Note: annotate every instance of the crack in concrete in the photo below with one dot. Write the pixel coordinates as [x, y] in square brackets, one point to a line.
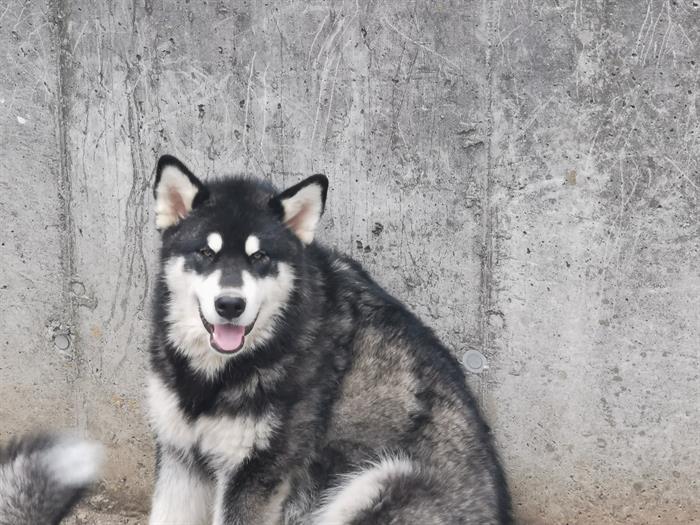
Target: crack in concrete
[67, 231]
[488, 216]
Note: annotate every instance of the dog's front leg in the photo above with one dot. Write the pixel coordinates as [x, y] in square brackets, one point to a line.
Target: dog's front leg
[250, 494]
[183, 495]
[222, 514]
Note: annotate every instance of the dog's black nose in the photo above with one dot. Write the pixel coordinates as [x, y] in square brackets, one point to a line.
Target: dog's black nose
[229, 306]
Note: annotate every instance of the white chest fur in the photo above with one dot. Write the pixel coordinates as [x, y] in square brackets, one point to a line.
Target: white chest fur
[225, 440]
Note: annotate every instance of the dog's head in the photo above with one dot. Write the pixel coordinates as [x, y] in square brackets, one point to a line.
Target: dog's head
[230, 251]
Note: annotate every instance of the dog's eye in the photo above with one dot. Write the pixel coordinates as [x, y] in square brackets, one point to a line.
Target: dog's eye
[206, 252]
[259, 257]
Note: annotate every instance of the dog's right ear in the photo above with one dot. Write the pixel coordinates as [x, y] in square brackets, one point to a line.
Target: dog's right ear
[301, 206]
[176, 190]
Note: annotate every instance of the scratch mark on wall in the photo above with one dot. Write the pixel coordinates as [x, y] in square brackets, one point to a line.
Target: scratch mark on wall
[247, 109]
[449, 62]
[683, 173]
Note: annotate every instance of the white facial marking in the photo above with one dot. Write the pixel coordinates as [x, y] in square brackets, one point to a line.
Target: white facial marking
[360, 491]
[265, 298]
[215, 242]
[185, 330]
[207, 290]
[275, 292]
[252, 245]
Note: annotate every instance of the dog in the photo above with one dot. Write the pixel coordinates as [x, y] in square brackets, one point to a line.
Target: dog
[286, 386]
[43, 476]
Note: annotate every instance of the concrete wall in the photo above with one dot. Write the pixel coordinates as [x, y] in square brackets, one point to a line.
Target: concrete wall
[525, 175]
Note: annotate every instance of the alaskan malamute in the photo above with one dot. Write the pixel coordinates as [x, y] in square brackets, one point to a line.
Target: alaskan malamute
[287, 386]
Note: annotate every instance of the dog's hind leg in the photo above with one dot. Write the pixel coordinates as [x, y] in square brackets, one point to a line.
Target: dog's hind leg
[397, 490]
[362, 492]
[183, 496]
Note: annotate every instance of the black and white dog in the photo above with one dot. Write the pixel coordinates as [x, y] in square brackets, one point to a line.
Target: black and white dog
[43, 476]
[286, 386]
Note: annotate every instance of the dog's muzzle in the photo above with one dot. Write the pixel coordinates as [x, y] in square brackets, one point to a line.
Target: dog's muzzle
[226, 338]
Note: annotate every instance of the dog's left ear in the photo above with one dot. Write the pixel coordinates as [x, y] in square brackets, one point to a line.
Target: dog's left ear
[301, 206]
[176, 190]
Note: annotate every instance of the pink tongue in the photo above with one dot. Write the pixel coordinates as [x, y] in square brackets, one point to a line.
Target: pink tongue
[228, 337]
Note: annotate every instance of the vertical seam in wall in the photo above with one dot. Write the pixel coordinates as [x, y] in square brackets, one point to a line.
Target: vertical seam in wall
[67, 232]
[487, 213]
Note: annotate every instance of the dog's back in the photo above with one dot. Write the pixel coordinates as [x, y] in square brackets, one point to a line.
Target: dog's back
[43, 476]
[404, 441]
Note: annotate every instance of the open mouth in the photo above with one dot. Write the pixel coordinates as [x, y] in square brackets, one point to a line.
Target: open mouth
[226, 338]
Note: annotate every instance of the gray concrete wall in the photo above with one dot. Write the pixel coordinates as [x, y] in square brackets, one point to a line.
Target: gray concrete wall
[525, 175]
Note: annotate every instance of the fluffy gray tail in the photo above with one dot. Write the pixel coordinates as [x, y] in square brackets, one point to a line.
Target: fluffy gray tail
[43, 476]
